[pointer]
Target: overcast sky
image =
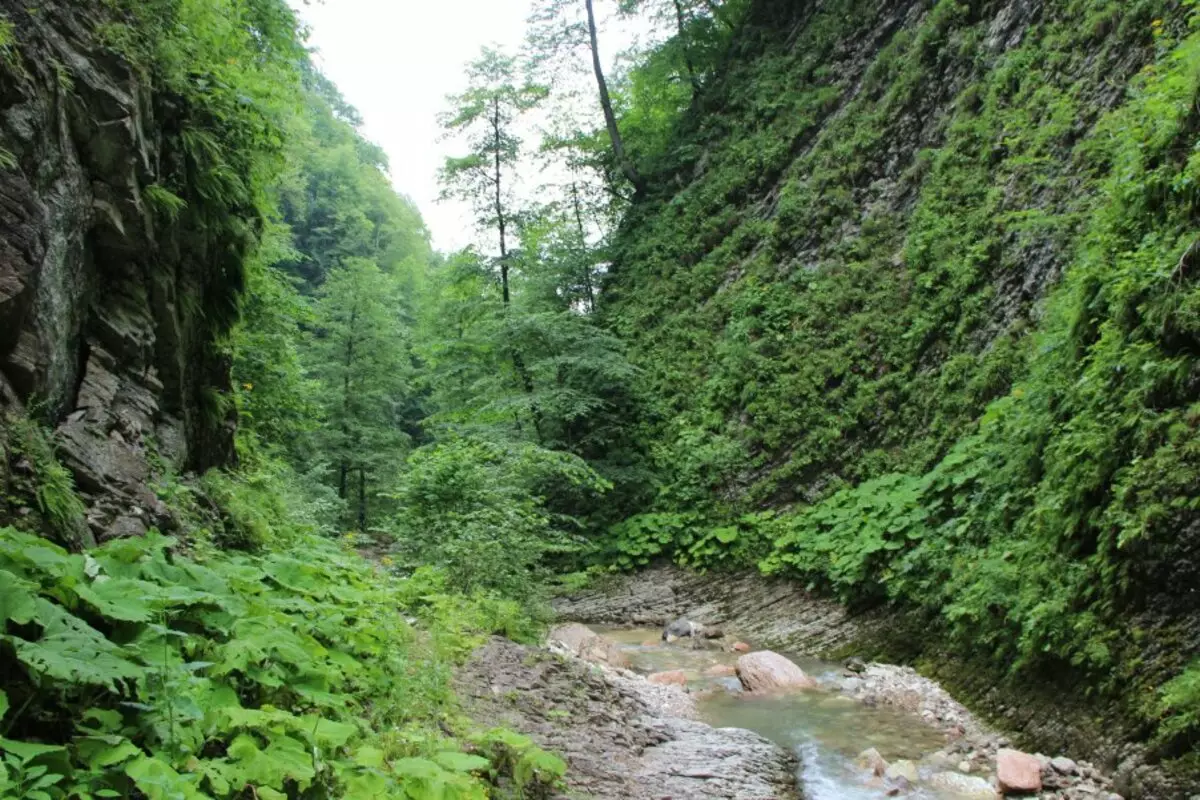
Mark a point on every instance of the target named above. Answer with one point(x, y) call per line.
point(396, 60)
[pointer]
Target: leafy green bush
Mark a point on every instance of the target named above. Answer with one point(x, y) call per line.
point(132, 668)
point(48, 482)
point(1179, 704)
point(477, 510)
point(644, 538)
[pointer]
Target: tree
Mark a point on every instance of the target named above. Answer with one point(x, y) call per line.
point(556, 30)
point(360, 356)
point(486, 115)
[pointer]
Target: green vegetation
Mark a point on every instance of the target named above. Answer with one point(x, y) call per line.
point(904, 309)
point(215, 673)
point(856, 342)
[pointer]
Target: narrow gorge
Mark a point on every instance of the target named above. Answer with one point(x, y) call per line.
point(358, 445)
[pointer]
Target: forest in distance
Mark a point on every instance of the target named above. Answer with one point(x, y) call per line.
point(897, 302)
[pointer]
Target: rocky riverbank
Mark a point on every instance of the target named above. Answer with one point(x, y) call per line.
point(976, 761)
point(622, 736)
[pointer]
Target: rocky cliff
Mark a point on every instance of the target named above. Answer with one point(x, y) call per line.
point(117, 273)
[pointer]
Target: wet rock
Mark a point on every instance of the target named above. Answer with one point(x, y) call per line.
point(767, 671)
point(902, 770)
point(966, 787)
point(681, 628)
point(676, 677)
point(583, 642)
point(872, 760)
point(1018, 772)
point(1063, 765)
point(731, 685)
point(856, 665)
point(720, 671)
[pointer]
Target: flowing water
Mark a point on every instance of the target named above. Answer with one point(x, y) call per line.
point(826, 729)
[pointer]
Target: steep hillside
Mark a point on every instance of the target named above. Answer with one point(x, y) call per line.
point(921, 277)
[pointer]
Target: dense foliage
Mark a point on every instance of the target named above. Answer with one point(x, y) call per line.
point(890, 299)
point(837, 308)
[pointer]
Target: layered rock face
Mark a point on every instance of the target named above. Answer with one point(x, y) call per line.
point(106, 307)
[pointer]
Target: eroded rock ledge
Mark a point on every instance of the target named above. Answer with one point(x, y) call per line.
point(774, 612)
point(622, 736)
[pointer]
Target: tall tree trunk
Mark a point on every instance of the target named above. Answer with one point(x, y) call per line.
point(501, 221)
point(681, 22)
point(587, 268)
point(344, 465)
point(610, 119)
point(362, 499)
point(502, 225)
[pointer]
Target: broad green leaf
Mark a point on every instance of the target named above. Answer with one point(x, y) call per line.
point(29, 750)
point(16, 598)
point(70, 650)
point(371, 757)
point(120, 598)
point(461, 762)
point(158, 780)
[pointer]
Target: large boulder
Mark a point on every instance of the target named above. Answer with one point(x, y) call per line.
point(585, 643)
point(1017, 772)
point(767, 671)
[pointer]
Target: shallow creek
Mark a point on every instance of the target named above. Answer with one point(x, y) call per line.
point(827, 730)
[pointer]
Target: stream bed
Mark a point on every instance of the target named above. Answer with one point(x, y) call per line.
point(826, 729)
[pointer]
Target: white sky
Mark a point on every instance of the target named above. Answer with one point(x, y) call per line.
point(396, 60)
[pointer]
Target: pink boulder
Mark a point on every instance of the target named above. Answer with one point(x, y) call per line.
point(740, 647)
point(766, 671)
point(1017, 772)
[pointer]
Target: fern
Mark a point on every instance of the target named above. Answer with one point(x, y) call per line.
point(164, 201)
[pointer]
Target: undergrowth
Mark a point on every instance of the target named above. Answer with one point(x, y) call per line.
point(294, 668)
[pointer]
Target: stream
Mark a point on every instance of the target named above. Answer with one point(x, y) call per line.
point(826, 729)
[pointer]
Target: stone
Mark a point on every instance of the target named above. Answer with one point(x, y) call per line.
point(872, 760)
point(720, 671)
point(676, 677)
point(1017, 772)
point(1064, 765)
point(583, 642)
point(731, 685)
point(965, 787)
point(856, 664)
point(681, 628)
point(767, 671)
point(902, 770)
point(740, 647)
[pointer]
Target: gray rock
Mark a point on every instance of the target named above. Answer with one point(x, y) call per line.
point(902, 769)
point(1063, 765)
